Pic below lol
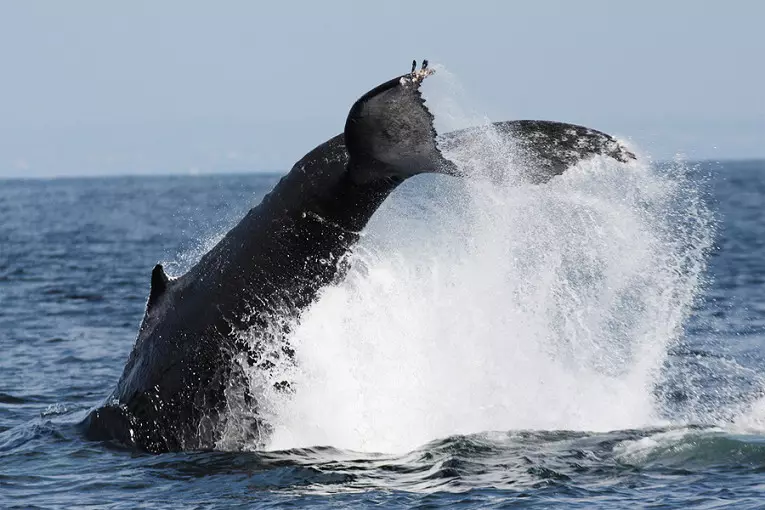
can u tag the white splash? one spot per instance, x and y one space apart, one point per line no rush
476 305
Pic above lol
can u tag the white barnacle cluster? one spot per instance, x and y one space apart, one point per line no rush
581 143
416 77
420 75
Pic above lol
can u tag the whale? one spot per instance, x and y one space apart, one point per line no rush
189 356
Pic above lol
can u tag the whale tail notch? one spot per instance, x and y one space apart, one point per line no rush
389 131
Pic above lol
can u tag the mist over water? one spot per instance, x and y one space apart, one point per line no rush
490 304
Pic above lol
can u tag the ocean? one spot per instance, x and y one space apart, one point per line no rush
596 342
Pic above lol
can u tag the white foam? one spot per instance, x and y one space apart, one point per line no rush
479 305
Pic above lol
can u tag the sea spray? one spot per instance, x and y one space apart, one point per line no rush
489 304
496 308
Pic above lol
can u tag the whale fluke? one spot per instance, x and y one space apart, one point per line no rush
389 132
542 148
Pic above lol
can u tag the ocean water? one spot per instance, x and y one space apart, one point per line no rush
596 342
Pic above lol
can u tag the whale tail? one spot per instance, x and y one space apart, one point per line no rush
389 131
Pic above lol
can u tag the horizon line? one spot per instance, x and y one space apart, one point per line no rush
275 173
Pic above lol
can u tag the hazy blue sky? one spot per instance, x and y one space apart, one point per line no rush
102 87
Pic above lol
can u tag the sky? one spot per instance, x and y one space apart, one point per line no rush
89 87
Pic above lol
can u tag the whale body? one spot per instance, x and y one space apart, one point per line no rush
272 264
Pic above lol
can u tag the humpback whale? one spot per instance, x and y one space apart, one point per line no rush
273 263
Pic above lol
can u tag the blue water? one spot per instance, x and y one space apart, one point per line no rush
75 259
